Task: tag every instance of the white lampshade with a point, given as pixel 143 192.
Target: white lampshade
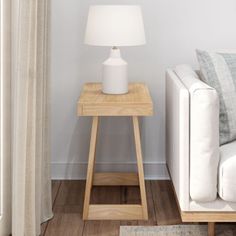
pixel 115 25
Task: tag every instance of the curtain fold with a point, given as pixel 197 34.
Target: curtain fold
pixel 5 117
pixel 31 96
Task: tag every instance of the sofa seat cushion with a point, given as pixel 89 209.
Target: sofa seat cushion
pixel 227 172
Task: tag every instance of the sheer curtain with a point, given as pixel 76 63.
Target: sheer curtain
pixel 31 191
pixel 5 118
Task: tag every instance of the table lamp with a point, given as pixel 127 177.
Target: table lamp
pixel 115 26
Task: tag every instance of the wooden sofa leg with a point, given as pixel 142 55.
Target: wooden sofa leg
pixel 211 229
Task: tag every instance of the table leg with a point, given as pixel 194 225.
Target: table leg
pixel 120 211
pixel 211 228
pixel 140 166
pixel 90 169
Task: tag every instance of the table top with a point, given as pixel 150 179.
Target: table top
pixel 137 102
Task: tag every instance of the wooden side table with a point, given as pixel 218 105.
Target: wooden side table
pixel 93 102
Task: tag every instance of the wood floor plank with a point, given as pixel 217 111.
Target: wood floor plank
pixel 55 188
pixel 71 193
pixel 103 195
pixel 67 210
pixel 172 200
pixel 130 195
pixel 151 209
pixel 67 221
pixel 165 203
pixel 101 228
pixel 107 195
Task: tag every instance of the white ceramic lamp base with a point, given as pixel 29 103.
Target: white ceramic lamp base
pixel 115 79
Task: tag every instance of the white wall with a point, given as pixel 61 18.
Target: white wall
pixel 174 29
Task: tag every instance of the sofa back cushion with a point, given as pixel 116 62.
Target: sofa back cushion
pixel 203 135
pixel 219 71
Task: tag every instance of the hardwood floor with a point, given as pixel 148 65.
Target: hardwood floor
pixel 67 196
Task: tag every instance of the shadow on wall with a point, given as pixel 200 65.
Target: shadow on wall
pixel 79 146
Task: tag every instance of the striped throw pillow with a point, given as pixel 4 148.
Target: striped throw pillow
pixel 218 70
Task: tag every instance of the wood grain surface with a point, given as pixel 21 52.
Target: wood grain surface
pixel 137 102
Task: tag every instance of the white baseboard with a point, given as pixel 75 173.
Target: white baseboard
pixel 152 170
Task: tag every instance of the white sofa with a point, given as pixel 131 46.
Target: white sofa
pixel 203 173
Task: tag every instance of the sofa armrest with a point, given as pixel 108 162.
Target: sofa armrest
pixel 204 135
pixel 192 137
